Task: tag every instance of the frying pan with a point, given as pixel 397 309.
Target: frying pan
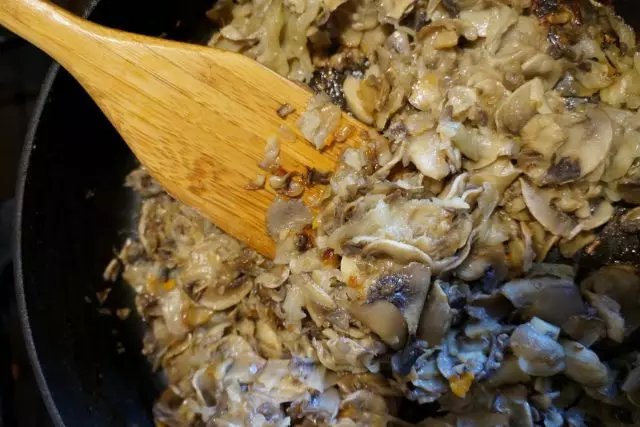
pixel 72 213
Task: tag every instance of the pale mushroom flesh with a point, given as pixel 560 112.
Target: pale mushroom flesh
pixel 455 263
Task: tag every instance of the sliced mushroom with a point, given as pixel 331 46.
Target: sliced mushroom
pixel 603 213
pixel 351 88
pixel 271 159
pixel 289 215
pixel 425 94
pixel 436 317
pixel 609 311
pixel 620 282
pixel 269 342
pixel 509 372
pixel 629 190
pixel 595 75
pixel 273 278
pixel 376 383
pixel 541 136
pixel 398 251
pixel 520 106
pixel 385 320
pixel 538 354
pixel 542 210
pixel 363 403
pixel 588 144
pixel 204 384
pixel 426 154
pixel 394 9
pixel 403 361
pixel 221 299
pixel 407 290
pixel 500 174
pixel 587 330
pixel 543 65
pixel 319 120
pixel 548 298
pixel 583 365
pixel 512 401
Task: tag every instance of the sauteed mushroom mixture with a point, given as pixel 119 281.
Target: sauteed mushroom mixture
pixel 413 285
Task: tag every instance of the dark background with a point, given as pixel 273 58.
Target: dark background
pixel 22 70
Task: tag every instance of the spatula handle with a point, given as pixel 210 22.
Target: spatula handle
pixel 59 33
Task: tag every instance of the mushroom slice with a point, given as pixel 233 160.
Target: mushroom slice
pixel 587 146
pixel 512 401
pixel 500 174
pixel 551 299
pixel 603 213
pixel 394 9
pixel 398 251
pixel 587 330
pixel 385 320
pixel 220 299
pixel 269 342
pixel 425 152
pixel 509 372
pixel 540 207
pixel 204 384
pixel 620 282
pixel 351 88
pixel 609 311
pixel 407 290
pixel 541 137
pixel 286 215
pixel 538 354
pixel 583 365
pixel 273 278
pixel 378 384
pixel 436 317
pixel 520 106
pixel 543 65
pixel 324 406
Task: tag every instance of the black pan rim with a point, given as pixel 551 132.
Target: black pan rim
pixel 23 173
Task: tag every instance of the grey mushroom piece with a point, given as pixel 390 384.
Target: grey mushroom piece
pixel 552 299
pixel 520 107
pixel 583 365
pixel 543 211
pixel 384 319
pixel 436 317
pixel 406 289
pixel 587 330
pixel 538 354
pixel 287 215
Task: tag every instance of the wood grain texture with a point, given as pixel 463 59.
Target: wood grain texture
pixel 195 116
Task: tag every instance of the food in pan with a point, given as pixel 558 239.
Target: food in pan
pixel 414 285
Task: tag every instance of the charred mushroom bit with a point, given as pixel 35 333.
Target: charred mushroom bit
pixel 431 279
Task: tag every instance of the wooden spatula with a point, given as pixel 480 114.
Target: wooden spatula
pixel 196 117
